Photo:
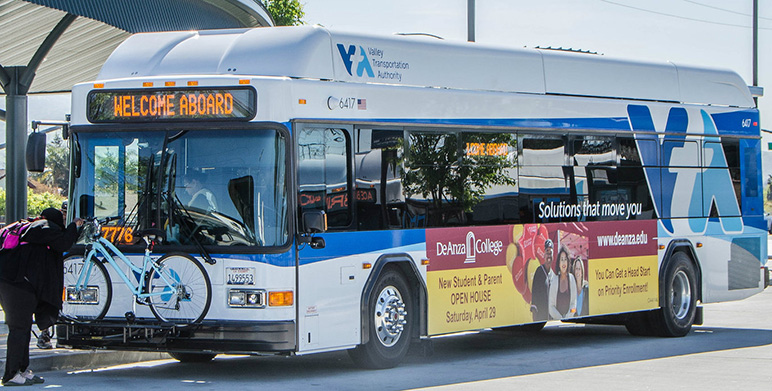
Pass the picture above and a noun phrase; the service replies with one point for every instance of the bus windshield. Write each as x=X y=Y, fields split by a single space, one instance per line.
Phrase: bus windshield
x=202 y=187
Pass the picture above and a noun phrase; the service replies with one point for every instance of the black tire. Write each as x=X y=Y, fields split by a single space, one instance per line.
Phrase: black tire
x=191 y=301
x=679 y=298
x=679 y=302
x=390 y=317
x=188 y=357
x=98 y=281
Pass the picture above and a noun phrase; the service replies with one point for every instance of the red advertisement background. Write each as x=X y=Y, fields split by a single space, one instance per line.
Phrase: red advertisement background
x=634 y=227
x=487 y=238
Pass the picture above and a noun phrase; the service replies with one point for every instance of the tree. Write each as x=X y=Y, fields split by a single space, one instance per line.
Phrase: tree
x=285 y=12
x=36 y=202
x=769 y=188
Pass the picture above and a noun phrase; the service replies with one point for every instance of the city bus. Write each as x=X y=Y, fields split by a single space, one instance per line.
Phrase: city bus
x=367 y=193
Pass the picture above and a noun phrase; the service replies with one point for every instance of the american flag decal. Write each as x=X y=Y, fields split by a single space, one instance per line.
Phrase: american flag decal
x=361 y=104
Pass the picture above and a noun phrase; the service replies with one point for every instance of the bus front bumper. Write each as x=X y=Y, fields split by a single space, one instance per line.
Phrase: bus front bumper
x=235 y=337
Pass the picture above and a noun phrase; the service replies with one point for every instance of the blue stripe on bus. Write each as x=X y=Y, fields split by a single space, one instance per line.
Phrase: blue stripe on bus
x=727 y=123
x=342 y=244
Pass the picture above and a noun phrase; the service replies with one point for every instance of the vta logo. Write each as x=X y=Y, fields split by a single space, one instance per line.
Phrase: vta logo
x=682 y=188
x=363 y=65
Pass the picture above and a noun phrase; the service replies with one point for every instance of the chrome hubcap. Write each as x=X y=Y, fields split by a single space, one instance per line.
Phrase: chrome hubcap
x=681 y=297
x=390 y=316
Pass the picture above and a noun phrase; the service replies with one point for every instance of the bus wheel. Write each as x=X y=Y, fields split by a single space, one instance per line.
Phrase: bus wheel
x=391 y=323
x=679 y=304
x=192 y=357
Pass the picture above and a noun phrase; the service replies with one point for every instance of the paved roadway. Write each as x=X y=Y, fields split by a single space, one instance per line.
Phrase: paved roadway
x=733 y=350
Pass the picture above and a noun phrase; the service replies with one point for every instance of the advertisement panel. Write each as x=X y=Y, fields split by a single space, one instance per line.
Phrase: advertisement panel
x=493 y=276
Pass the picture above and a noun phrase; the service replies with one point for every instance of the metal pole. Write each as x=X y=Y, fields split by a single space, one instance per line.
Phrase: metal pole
x=756 y=46
x=470 y=20
x=16 y=141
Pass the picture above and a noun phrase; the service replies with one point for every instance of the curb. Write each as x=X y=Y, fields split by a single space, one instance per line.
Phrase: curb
x=60 y=359
x=63 y=359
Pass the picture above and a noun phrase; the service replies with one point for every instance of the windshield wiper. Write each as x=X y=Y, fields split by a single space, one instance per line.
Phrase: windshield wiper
x=179 y=212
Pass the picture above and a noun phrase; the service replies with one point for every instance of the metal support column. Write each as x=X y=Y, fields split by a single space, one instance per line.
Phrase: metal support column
x=470 y=20
x=15 y=141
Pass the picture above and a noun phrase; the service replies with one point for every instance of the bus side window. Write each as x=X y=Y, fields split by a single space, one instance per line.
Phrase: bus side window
x=542 y=178
x=432 y=181
x=380 y=202
x=323 y=174
x=595 y=177
x=717 y=158
x=490 y=163
x=631 y=175
x=681 y=159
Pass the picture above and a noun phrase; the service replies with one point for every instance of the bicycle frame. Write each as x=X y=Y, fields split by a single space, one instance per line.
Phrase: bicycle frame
x=109 y=252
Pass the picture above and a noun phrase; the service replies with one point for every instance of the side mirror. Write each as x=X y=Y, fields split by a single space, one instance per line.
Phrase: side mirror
x=314 y=222
x=36 y=152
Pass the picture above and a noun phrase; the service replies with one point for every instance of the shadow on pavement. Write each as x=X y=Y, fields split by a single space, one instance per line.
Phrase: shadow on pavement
x=464 y=358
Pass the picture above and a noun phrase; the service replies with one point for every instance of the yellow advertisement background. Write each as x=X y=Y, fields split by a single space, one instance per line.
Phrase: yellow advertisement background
x=449 y=313
x=608 y=279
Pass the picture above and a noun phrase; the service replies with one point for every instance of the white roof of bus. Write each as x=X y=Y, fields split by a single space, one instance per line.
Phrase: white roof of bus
x=317 y=53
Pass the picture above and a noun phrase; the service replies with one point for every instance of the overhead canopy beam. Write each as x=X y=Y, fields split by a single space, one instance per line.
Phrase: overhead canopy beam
x=44 y=48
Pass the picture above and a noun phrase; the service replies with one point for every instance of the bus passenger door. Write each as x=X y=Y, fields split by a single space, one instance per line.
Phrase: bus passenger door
x=326 y=316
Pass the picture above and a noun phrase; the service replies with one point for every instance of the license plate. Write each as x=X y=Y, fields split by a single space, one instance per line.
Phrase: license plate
x=240 y=275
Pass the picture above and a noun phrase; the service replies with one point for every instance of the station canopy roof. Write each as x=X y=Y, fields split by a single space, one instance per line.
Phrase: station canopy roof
x=100 y=26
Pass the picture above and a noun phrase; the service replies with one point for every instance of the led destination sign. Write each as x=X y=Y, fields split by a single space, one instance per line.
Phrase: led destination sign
x=172 y=104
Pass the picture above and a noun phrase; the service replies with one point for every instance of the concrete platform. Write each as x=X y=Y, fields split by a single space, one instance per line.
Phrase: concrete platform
x=42 y=360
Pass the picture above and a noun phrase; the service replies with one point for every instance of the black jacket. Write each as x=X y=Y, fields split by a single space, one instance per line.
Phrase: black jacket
x=39 y=261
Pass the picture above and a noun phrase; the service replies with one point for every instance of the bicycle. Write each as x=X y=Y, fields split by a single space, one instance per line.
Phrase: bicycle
x=175 y=286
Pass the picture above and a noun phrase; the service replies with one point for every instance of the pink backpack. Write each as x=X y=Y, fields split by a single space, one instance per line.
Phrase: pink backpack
x=11 y=234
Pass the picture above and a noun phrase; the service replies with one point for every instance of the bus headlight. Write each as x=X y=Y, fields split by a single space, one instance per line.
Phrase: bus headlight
x=246 y=298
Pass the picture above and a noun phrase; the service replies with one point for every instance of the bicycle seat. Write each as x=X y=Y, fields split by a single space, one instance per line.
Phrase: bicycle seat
x=153 y=234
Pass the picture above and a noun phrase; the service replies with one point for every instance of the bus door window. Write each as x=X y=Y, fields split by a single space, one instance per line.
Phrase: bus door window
x=489 y=166
x=542 y=175
x=115 y=179
x=323 y=174
x=380 y=202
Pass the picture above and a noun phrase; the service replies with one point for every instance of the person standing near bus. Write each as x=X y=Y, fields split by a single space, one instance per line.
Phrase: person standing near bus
x=541 y=283
x=31 y=282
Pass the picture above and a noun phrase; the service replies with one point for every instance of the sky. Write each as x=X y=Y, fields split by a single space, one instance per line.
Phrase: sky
x=711 y=33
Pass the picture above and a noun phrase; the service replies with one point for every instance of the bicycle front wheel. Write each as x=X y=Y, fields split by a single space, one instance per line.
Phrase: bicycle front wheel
x=181 y=293
x=92 y=300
